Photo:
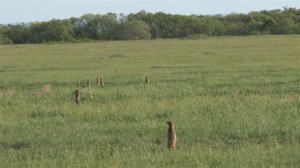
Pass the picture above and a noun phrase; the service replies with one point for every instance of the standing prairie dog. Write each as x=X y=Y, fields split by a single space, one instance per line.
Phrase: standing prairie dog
x=77 y=96
x=146 y=79
x=171 y=135
x=98 y=81
x=101 y=81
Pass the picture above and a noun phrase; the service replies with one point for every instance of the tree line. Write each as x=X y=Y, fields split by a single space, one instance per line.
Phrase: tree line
x=144 y=25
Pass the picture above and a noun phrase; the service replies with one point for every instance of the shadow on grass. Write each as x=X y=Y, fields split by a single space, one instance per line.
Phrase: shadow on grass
x=15 y=145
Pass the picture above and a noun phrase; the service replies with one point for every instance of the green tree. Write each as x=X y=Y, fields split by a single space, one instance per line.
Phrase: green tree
x=134 y=30
x=54 y=30
x=261 y=23
x=18 y=34
x=3 y=38
x=144 y=25
x=59 y=30
x=211 y=26
x=236 y=24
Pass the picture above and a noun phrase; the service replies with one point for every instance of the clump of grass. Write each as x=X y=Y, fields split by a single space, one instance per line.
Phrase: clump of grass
x=47 y=89
x=196 y=37
x=117 y=56
x=19 y=145
x=7 y=94
x=88 y=83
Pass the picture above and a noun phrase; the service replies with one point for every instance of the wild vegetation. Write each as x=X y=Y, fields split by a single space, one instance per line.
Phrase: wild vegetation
x=144 y=25
x=234 y=101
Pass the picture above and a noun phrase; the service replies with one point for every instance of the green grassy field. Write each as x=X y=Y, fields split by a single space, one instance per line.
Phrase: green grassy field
x=235 y=102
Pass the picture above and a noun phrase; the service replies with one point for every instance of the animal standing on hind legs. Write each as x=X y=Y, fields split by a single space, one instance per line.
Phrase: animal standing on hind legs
x=97 y=81
x=101 y=81
x=77 y=96
x=146 y=79
x=171 y=135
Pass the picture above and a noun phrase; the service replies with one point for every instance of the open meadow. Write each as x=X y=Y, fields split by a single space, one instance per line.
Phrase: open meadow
x=235 y=102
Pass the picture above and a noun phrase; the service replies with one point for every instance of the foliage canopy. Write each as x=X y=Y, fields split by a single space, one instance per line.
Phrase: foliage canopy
x=144 y=25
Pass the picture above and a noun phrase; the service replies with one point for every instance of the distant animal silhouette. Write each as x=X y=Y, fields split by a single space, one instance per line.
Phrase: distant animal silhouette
x=171 y=135
x=101 y=81
x=146 y=79
x=77 y=96
x=98 y=81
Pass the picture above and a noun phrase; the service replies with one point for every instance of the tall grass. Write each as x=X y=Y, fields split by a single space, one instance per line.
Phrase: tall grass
x=235 y=102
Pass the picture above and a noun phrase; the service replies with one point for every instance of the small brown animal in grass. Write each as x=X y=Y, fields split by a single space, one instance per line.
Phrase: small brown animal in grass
x=98 y=81
x=78 y=83
x=171 y=135
x=88 y=83
x=77 y=96
x=146 y=79
x=101 y=81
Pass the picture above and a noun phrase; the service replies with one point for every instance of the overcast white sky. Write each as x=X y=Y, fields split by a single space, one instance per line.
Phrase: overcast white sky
x=12 y=11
